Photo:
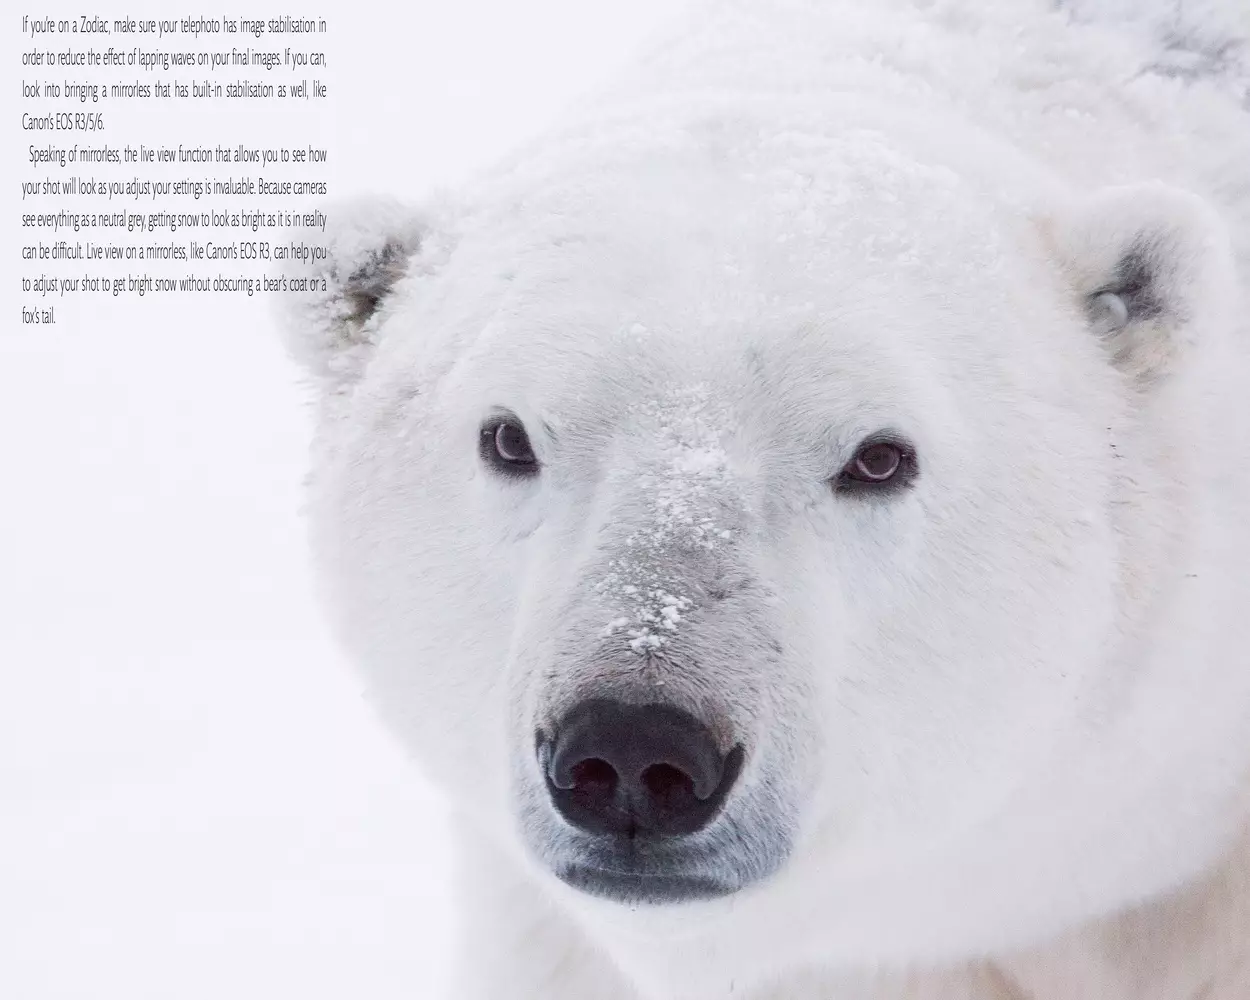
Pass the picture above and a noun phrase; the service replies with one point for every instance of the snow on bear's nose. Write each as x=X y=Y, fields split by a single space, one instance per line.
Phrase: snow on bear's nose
x=680 y=518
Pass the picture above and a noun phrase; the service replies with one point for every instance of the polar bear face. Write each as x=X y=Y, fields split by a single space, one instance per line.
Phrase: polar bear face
x=700 y=527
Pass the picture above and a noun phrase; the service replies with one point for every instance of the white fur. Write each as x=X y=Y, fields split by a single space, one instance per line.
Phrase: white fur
x=998 y=727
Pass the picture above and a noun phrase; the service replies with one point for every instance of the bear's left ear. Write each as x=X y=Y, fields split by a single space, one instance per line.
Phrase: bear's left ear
x=332 y=310
x=1151 y=268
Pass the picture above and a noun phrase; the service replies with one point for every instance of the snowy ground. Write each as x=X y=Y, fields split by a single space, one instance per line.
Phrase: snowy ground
x=196 y=802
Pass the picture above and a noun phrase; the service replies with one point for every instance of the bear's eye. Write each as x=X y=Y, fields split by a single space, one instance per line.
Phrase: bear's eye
x=878 y=464
x=506 y=447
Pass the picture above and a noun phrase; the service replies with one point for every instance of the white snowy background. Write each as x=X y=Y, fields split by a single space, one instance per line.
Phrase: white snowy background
x=194 y=800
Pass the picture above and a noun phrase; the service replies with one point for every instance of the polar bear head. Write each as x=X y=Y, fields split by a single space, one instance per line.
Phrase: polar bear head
x=720 y=526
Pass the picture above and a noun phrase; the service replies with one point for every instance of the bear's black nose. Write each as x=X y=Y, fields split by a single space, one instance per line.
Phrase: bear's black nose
x=636 y=770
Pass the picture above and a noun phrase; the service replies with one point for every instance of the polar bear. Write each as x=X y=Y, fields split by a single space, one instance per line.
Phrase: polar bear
x=796 y=510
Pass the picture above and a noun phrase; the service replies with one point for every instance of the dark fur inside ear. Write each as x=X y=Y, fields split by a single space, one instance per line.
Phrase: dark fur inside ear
x=370 y=283
x=1136 y=282
x=332 y=312
x=1150 y=266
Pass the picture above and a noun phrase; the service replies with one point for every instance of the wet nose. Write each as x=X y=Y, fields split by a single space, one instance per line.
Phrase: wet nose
x=629 y=770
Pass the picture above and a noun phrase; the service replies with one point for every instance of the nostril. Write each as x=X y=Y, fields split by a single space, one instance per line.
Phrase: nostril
x=594 y=776
x=667 y=785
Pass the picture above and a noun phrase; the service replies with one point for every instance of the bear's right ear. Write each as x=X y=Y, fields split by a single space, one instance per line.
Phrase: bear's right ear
x=331 y=313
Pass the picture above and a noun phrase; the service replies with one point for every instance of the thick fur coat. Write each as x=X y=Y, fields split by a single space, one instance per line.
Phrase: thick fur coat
x=992 y=712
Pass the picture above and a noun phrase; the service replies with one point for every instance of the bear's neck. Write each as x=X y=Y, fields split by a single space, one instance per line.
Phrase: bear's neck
x=1191 y=944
